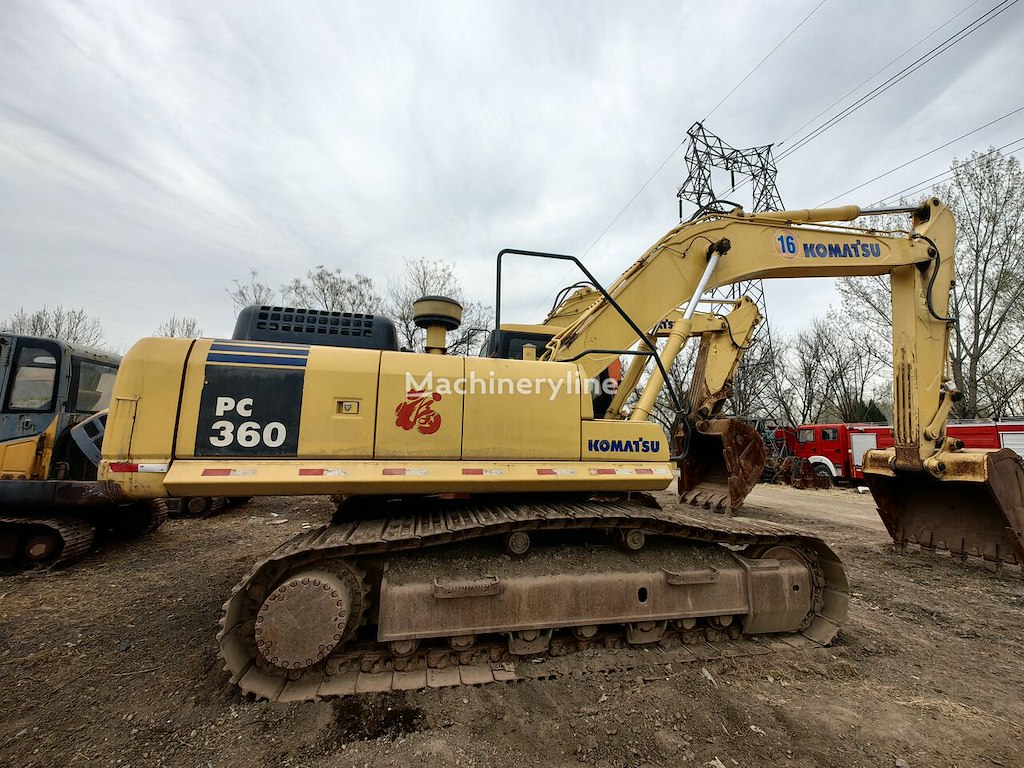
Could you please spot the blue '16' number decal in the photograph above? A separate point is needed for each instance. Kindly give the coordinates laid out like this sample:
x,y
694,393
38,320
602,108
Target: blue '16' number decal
x,y
787,243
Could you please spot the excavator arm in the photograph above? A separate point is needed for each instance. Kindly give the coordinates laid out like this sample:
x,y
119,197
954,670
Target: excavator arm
x,y
929,490
723,249
720,460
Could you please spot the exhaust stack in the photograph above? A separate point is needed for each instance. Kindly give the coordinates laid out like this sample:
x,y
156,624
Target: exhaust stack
x,y
438,315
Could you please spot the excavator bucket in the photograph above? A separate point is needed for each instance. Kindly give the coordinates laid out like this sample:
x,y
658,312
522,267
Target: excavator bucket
x,y
722,464
977,510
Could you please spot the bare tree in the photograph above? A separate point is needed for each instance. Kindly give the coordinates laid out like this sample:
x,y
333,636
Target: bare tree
x,y
71,325
423,277
852,376
336,292
179,327
752,385
253,292
986,196
867,301
803,386
333,291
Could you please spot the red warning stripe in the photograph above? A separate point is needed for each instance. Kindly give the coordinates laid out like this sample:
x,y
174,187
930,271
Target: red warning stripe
x,y
644,471
472,471
392,471
603,471
216,473
310,472
545,471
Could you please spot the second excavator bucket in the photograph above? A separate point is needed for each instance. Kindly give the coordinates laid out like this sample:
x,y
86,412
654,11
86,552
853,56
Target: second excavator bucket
x,y
723,461
976,509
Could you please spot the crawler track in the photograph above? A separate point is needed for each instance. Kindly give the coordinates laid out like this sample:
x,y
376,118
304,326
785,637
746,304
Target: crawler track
x,y
50,541
349,555
159,510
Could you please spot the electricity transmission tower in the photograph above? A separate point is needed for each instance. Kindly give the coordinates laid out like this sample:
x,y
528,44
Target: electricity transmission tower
x,y
757,374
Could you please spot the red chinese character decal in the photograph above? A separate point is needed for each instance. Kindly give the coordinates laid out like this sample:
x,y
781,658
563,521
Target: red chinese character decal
x,y
418,411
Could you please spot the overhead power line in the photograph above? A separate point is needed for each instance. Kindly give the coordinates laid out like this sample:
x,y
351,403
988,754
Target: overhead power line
x,y
878,90
679,146
681,143
634,197
947,174
929,152
877,72
762,61
920,62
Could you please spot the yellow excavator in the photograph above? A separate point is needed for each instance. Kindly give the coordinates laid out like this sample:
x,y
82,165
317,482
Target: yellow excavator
x,y
53,396
497,508
53,400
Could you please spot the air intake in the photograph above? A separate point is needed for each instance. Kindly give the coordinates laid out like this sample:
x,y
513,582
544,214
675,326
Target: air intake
x,y
316,326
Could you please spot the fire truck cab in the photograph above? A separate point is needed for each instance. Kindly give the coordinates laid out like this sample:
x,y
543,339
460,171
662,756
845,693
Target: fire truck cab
x,y
837,450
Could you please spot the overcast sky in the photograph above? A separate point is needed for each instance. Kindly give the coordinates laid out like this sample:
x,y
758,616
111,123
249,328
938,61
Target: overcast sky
x,y
150,152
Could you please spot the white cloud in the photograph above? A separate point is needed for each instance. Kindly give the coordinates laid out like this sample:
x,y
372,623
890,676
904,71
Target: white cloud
x,y
152,152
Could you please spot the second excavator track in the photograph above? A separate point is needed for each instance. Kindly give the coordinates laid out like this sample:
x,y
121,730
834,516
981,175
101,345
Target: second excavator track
x,y
53,541
48,541
352,563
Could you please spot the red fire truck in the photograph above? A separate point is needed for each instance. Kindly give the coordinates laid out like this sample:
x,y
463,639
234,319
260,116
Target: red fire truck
x,y
837,450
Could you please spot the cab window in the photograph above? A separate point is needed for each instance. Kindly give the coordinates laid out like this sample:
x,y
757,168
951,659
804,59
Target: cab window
x,y
34,383
830,434
508,345
805,436
91,385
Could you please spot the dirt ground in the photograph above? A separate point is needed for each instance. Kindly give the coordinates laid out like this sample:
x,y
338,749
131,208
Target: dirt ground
x,y
113,662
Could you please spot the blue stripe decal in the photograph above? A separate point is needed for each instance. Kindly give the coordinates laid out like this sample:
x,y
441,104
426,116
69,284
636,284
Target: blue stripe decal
x,y
297,351
299,362
248,343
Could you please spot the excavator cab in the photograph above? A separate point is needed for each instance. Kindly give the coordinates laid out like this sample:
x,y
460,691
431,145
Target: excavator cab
x,y
53,400
47,387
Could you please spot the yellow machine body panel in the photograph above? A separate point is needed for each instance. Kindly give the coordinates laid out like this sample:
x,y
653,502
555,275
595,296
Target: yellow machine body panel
x,y
145,425
530,410
272,418
340,414
419,414
22,459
